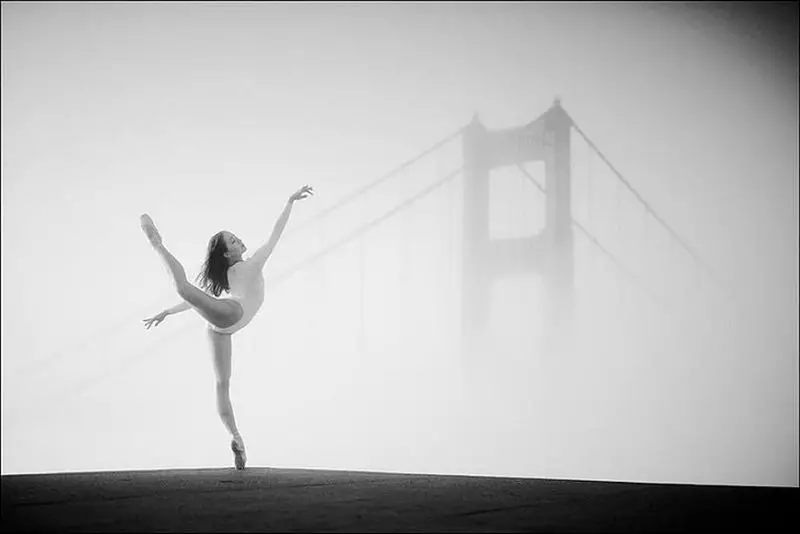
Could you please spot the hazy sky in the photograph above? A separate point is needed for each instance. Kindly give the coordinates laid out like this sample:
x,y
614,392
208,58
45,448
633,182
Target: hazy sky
x,y
207,116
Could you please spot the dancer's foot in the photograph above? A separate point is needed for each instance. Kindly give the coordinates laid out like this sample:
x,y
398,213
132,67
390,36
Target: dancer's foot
x,y
150,230
239,456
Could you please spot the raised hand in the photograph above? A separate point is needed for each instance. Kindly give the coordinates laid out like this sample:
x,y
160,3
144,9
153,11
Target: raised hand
x,y
304,192
155,320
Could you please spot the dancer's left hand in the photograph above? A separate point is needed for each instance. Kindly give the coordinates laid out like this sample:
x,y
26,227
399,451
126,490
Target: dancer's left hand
x,y
304,192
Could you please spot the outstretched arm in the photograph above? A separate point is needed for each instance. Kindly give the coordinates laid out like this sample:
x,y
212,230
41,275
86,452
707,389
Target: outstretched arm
x,y
156,319
263,253
178,308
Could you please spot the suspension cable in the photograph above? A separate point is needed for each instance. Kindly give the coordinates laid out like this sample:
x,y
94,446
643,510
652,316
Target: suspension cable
x,y
371,185
365,228
603,249
652,212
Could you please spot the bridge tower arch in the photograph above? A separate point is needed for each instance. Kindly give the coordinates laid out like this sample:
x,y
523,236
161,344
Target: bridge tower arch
x,y
549,253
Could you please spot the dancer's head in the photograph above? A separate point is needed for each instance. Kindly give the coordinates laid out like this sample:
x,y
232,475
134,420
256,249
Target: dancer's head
x,y
224,249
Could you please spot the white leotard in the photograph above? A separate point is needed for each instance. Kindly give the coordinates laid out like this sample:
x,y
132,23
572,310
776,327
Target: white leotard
x,y
246,280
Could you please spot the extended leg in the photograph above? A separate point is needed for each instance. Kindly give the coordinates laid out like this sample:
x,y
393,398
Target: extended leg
x,y
221,349
220,312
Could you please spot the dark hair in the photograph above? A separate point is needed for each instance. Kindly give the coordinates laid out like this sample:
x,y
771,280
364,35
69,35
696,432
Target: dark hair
x,y
214,275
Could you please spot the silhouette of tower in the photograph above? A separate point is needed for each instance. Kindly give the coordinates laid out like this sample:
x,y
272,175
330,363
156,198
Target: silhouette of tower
x,y
549,253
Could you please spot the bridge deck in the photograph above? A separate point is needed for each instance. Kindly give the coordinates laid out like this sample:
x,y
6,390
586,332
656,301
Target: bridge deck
x,y
259,499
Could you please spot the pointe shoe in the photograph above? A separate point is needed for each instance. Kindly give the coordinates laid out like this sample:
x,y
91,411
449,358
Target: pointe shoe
x,y
239,456
150,230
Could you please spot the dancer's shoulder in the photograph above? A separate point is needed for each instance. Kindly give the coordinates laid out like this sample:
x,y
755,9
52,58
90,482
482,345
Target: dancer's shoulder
x,y
243,265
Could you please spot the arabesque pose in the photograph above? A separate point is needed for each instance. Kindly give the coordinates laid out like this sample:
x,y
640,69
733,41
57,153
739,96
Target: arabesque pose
x,y
242,280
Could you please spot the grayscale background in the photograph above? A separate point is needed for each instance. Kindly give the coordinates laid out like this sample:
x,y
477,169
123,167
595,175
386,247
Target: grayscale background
x,y
208,116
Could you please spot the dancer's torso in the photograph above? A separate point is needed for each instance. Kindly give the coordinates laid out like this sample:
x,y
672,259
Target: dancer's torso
x,y
246,283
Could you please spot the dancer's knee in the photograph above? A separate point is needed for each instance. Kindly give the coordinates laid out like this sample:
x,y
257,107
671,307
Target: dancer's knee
x,y
184,289
223,386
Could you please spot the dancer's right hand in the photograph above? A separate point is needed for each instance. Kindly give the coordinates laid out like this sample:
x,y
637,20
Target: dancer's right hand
x,y
155,320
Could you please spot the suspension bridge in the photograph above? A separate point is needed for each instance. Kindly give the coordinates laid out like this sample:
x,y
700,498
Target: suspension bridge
x,y
487,221
436,249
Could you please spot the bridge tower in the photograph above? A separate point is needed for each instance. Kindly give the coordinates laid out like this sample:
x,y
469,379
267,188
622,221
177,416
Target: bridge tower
x,y
549,253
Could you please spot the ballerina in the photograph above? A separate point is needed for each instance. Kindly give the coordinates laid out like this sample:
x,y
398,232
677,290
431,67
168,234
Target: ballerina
x,y
224,270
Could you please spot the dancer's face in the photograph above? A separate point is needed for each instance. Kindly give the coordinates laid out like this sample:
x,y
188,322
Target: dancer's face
x,y
235,245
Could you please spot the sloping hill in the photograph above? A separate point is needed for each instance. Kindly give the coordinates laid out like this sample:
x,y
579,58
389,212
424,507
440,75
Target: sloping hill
x,y
265,499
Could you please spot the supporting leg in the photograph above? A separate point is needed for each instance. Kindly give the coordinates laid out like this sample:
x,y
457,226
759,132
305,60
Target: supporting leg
x,y
221,349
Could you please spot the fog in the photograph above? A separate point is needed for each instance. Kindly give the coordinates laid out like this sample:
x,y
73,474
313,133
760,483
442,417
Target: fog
x,y
208,116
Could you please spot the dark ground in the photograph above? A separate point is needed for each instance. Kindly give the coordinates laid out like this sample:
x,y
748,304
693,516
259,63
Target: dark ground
x,y
259,499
